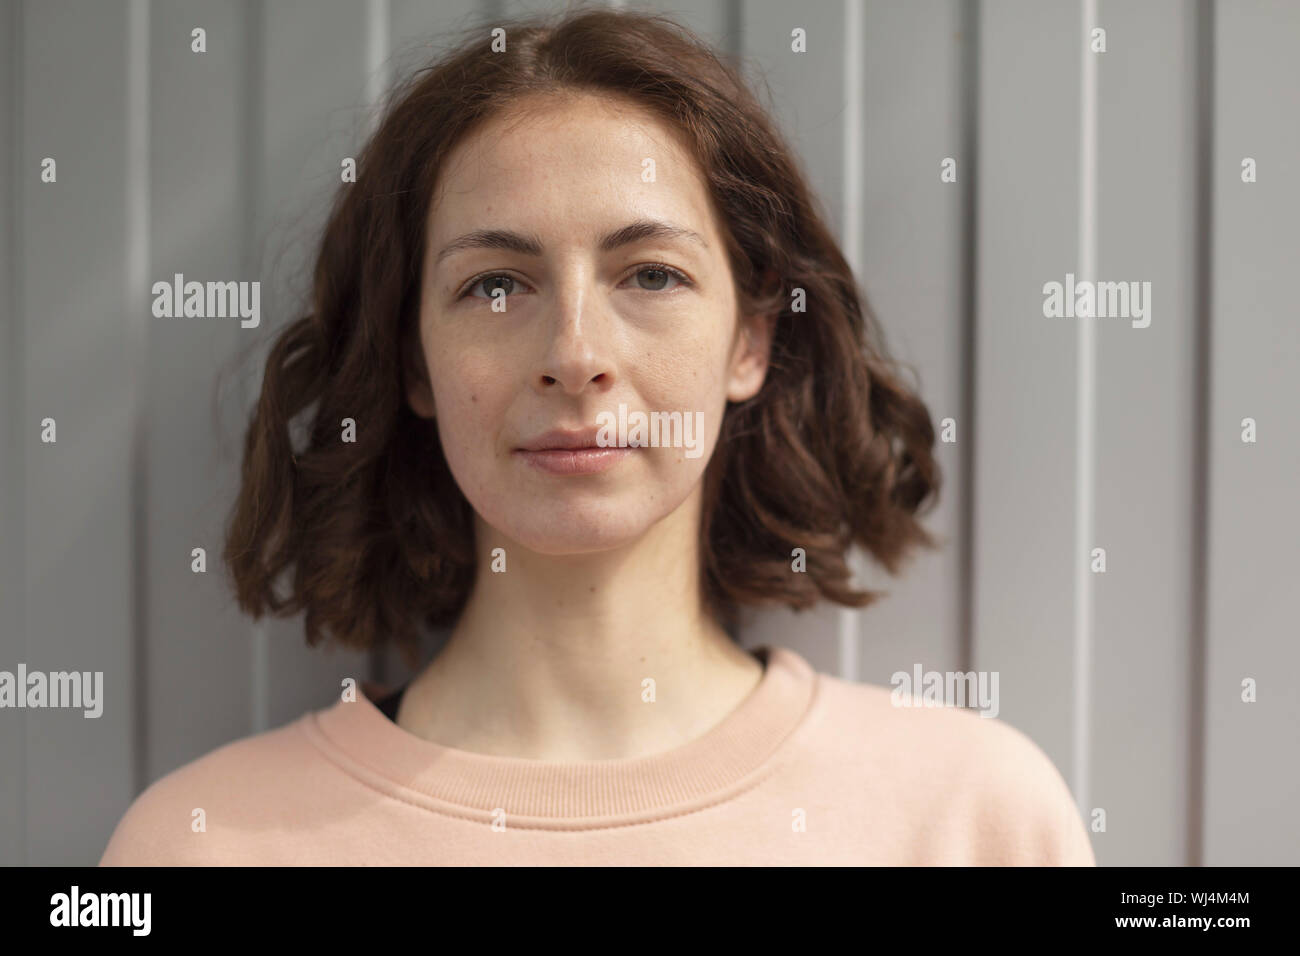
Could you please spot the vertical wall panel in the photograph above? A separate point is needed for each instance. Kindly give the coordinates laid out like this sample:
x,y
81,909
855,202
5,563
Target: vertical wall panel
x,y
13,433
1025,554
714,20
314,113
1252,777
197,657
77,533
1140,711
418,30
913,275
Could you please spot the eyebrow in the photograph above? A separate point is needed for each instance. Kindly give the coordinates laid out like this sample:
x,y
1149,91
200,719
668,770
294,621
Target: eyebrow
x,y
530,245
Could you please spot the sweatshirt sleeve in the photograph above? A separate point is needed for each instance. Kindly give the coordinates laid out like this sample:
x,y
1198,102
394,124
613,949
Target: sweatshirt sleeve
x,y
1030,808
222,808
152,832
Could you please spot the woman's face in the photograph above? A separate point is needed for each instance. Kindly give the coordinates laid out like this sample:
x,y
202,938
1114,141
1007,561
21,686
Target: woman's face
x,y
589,316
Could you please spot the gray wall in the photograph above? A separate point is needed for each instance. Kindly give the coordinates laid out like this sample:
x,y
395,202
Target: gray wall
x,y
1071,433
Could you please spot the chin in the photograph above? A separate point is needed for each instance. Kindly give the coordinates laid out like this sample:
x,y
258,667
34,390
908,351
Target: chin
x,y
556,528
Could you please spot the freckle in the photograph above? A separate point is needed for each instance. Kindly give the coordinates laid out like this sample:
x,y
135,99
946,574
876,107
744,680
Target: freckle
x,y
473,397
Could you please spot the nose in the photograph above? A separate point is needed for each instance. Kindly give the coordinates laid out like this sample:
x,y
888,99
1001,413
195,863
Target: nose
x,y
578,348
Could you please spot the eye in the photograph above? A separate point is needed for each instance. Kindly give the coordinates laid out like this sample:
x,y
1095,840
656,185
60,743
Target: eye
x,y
492,281
660,274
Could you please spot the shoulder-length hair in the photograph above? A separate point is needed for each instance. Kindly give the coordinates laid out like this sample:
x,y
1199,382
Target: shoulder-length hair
x,y
374,534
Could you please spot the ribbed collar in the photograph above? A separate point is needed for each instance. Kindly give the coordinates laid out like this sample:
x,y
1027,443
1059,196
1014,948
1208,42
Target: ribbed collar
x,y
730,757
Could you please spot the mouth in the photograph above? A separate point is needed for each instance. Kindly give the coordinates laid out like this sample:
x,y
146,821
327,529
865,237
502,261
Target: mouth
x,y
565,452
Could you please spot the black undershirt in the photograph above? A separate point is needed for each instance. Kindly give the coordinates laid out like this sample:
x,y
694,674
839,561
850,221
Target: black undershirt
x,y
390,703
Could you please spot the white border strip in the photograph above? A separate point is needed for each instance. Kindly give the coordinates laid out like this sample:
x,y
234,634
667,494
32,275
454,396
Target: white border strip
x,y
1085,416
851,240
137,255
378,33
253,92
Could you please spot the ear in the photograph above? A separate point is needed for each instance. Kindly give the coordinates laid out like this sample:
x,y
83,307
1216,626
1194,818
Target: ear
x,y
419,393
750,356
420,397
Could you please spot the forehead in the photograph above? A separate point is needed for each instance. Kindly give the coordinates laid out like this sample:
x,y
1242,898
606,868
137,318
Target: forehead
x,y
586,161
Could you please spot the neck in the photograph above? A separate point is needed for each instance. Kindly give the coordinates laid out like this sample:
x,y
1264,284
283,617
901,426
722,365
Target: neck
x,y
551,658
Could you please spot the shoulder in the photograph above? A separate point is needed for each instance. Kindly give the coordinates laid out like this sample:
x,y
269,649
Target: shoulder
x,y
201,811
982,779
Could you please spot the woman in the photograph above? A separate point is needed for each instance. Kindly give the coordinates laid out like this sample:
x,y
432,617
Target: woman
x,y
584,374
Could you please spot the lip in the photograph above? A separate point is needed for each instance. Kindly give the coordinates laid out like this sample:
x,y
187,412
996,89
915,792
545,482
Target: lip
x,y
571,452
563,438
574,461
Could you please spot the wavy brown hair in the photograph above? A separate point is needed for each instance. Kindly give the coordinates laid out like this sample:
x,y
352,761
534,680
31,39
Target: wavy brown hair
x,y
832,450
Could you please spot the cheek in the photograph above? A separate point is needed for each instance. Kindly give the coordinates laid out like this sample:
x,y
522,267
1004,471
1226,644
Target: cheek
x,y
466,380
686,370
470,401
686,374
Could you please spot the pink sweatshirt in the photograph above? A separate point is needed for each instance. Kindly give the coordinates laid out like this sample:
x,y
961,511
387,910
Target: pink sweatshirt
x,y
808,770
